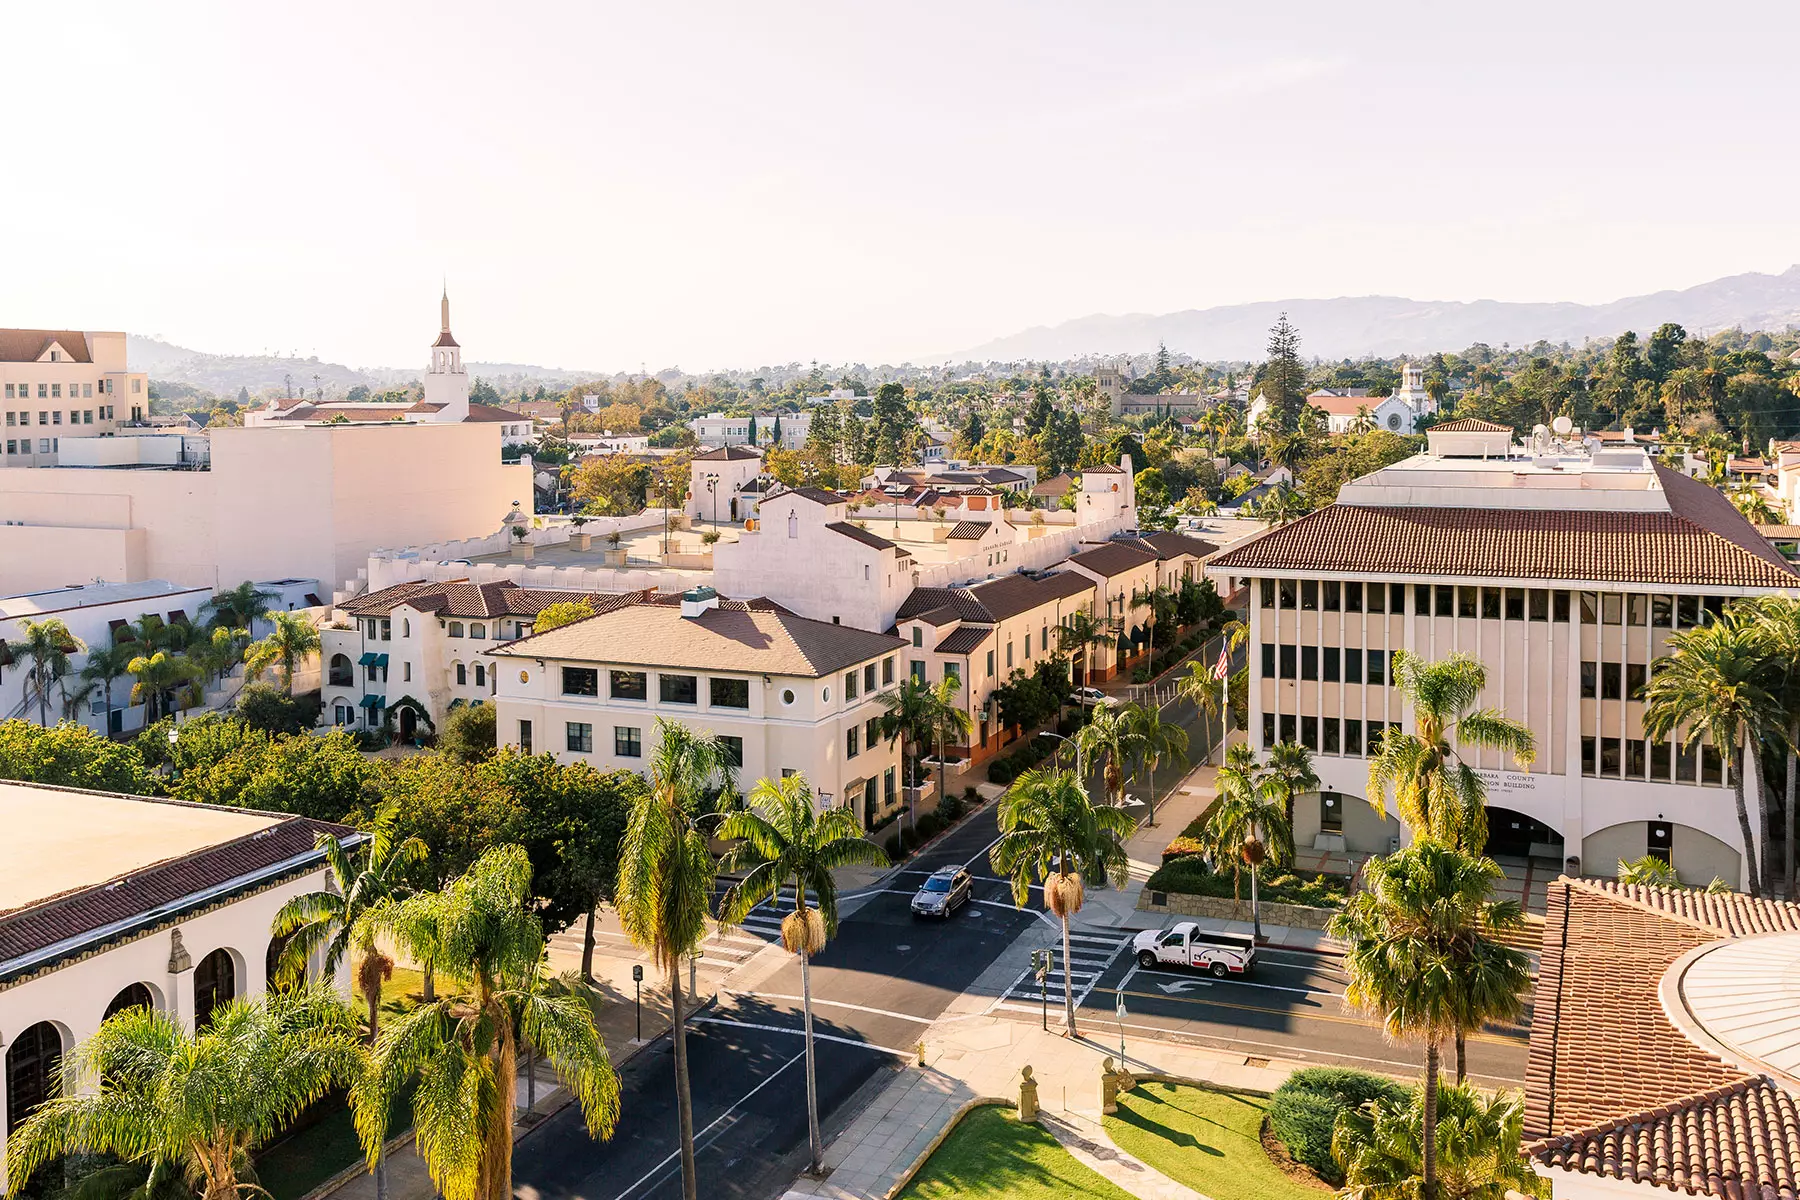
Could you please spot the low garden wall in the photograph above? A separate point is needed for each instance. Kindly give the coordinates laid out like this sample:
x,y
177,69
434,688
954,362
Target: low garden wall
x,y
1293,916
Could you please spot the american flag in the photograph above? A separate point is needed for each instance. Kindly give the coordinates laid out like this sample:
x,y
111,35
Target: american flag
x,y
1222,668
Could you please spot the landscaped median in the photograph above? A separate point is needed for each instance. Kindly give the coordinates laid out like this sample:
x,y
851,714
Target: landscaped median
x,y
992,1155
1187,886
1211,1141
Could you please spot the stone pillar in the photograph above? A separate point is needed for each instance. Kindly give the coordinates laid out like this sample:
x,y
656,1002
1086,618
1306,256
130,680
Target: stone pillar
x,y
1028,1101
180,986
1109,1088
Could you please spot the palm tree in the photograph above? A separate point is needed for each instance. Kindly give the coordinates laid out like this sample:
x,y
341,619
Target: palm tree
x,y
1717,682
1291,773
1778,617
1113,735
1363,421
47,644
105,666
782,839
200,1100
910,715
1420,913
666,875
1208,691
1247,826
951,720
157,674
1381,1147
237,608
332,921
1754,503
1437,793
293,639
1051,829
463,1051
220,652
1079,633
1154,740
1282,506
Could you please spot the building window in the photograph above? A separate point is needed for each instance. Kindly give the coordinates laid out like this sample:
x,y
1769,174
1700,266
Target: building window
x,y
1353,597
1612,608
1661,761
406,672
33,1071
1353,661
1590,680
678,689
1634,681
1329,666
1309,732
869,677
1377,672
1309,595
852,741
1268,660
917,668
871,733
1634,758
1589,752
1540,604
1515,604
462,675
1290,596
1287,727
918,636
478,630
1353,736
340,673
215,985
1289,662
525,736
734,750
1660,842
628,685
1609,757
1687,610
1330,742
1611,678
576,681
990,664
1712,767
628,741
480,674
952,675
1266,593
1560,606
1662,611
455,629
387,630
728,693
1637,609
1309,663
579,737
1268,730
1331,812
1334,595
887,670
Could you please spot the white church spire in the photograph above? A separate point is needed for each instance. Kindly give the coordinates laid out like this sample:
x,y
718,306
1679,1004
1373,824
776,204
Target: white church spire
x,y
446,383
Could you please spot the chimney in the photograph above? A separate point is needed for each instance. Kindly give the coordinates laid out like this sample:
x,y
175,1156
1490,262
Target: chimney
x,y
695,601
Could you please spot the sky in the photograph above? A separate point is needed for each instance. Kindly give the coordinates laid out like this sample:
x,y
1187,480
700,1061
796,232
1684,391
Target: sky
x,y
709,185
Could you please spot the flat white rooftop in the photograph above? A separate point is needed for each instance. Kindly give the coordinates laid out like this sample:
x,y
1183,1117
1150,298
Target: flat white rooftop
x,y
61,841
89,595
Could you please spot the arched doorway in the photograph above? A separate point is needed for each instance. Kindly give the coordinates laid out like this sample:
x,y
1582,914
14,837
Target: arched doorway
x,y
272,964
215,984
33,1064
1514,835
135,996
409,724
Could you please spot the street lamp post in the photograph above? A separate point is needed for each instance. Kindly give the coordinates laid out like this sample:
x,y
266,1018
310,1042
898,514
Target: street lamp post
x,y
712,489
637,978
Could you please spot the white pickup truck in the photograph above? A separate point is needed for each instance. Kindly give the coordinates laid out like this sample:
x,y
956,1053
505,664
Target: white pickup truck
x,y
1188,945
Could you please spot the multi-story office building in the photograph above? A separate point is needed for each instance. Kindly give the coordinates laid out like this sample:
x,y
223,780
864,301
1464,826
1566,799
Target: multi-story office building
x,y
786,694
1561,566
61,383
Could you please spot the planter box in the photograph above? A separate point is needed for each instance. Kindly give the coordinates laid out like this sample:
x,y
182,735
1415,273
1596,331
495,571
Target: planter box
x,y
1294,916
615,556
524,550
583,541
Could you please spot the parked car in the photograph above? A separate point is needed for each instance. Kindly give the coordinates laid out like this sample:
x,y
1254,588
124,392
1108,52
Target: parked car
x,y
1087,697
1187,945
942,893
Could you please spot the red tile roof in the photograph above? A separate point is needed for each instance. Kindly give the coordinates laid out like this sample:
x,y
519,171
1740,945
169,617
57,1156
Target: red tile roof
x,y
966,640
727,454
1114,558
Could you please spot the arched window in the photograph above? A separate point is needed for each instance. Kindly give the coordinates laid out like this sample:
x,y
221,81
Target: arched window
x,y
342,673
456,629
478,630
793,526
272,963
480,675
215,984
135,996
405,627
462,674
33,1063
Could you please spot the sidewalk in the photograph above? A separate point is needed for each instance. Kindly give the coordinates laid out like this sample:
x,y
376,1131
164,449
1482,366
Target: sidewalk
x,y
969,1056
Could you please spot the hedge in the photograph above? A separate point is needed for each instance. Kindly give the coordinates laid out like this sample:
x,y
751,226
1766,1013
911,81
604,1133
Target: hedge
x,y
1304,1110
1028,754
1182,847
1277,885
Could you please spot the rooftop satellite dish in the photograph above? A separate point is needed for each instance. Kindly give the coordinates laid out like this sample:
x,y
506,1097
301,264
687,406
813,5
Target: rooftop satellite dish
x,y
1562,426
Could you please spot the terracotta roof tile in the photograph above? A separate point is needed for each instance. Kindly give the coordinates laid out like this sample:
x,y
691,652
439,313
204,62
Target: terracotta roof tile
x,y
966,640
1168,544
969,531
727,454
1114,558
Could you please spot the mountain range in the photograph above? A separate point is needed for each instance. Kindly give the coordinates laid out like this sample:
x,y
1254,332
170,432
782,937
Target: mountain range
x,y
1353,326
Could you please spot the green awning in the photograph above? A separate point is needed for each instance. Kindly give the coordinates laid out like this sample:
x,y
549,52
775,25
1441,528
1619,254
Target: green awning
x,y
1137,636
366,659
371,700
381,660
456,703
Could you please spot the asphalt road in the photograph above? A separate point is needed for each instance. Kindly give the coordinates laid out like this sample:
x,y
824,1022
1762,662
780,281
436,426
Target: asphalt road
x,y
876,988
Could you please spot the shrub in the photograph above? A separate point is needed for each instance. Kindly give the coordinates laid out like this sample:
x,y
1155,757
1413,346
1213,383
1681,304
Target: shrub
x,y
1028,754
268,708
1182,847
1191,876
950,808
930,825
970,794
1304,1110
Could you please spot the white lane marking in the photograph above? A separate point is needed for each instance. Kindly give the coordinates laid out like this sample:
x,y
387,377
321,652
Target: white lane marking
x,y
823,1037
721,1117
880,1012
1269,987
1082,999
1125,983
1114,941
983,851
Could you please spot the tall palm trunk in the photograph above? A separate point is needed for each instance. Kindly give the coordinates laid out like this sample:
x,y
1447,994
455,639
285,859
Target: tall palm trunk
x,y
813,1138
1431,1113
498,1152
1068,967
1462,1058
369,979
587,948
1787,809
1255,906
1764,869
1743,816
684,1098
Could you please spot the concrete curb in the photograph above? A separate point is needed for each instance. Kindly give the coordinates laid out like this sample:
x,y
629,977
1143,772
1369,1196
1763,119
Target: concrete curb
x,y
968,1107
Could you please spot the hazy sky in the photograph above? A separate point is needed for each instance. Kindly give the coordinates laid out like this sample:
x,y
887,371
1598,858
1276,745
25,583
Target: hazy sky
x,y
735,184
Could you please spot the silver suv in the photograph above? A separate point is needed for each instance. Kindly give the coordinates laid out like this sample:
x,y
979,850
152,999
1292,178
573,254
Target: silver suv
x,y
942,893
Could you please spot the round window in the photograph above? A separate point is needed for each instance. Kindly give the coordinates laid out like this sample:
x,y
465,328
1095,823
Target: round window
x,y
524,676
787,695
1393,420
825,695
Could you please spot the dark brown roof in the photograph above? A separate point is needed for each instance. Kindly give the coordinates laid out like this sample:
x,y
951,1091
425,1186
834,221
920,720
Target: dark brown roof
x,y
749,637
28,345
970,531
959,601
1699,543
1114,558
1106,469
1469,425
460,598
727,454
1056,485
444,339
1168,544
860,534
1613,1088
151,889
966,640
494,414
991,602
816,495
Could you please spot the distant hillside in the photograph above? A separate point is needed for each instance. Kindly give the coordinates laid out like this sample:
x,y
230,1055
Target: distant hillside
x,y
224,374
1352,326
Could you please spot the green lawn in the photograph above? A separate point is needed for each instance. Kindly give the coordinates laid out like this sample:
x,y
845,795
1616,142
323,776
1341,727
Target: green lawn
x,y
990,1155
1210,1141
303,1160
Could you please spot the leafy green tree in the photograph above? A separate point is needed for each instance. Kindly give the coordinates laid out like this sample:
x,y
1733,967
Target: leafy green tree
x,y
157,676
71,755
237,607
1079,633
1246,826
1381,1147
1422,915
666,874
1718,683
1778,619
1438,794
462,1053
294,639
1052,831
268,709
222,760
105,666
46,645
782,840
1664,352
470,733
1282,379
202,1100
563,612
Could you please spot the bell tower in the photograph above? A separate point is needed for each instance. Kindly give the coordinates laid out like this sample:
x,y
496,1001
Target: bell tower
x,y
446,383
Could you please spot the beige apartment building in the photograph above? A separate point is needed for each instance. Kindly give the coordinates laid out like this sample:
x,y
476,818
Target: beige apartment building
x,y
62,383
1564,568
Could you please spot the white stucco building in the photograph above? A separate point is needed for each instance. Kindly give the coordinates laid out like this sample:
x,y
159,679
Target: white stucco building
x,y
724,484
788,430
109,902
789,695
1564,570
63,383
